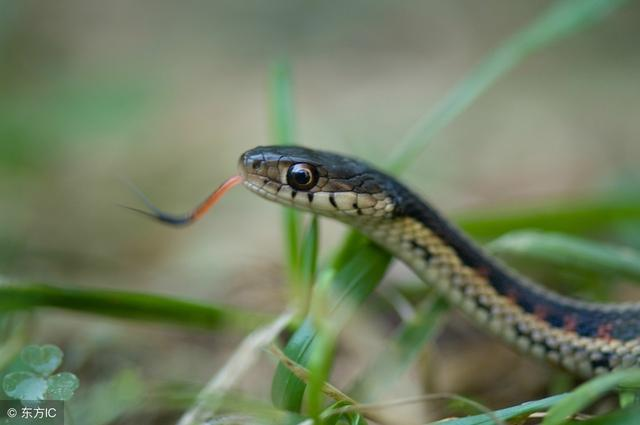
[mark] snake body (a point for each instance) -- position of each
(585, 338)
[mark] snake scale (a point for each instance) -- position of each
(585, 338)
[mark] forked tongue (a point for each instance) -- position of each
(184, 219)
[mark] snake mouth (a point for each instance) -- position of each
(260, 175)
(270, 173)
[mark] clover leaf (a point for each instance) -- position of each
(24, 386)
(43, 360)
(38, 383)
(62, 386)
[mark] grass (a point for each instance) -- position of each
(325, 293)
(569, 252)
(127, 305)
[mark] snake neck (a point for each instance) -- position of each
(586, 338)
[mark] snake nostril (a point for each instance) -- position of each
(242, 161)
(256, 163)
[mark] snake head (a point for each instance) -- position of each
(320, 182)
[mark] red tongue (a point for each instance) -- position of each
(180, 220)
(215, 197)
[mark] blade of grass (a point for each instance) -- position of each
(572, 216)
(354, 281)
(291, 221)
(589, 392)
(320, 361)
(308, 263)
(353, 242)
(569, 252)
(305, 375)
(286, 389)
(127, 305)
(330, 418)
(369, 408)
(509, 413)
(282, 111)
(561, 19)
(628, 397)
(320, 366)
(408, 341)
(282, 133)
(627, 416)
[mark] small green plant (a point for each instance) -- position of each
(37, 381)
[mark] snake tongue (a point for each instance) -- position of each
(196, 214)
(215, 196)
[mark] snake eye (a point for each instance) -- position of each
(302, 176)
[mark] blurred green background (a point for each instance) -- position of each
(169, 94)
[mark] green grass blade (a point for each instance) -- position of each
(282, 111)
(569, 252)
(353, 242)
(286, 389)
(320, 366)
(589, 392)
(282, 133)
(353, 418)
(627, 416)
(308, 262)
(309, 252)
(574, 216)
(509, 413)
(405, 345)
(352, 284)
(127, 305)
(327, 326)
(291, 224)
(559, 20)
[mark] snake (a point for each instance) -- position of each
(583, 337)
